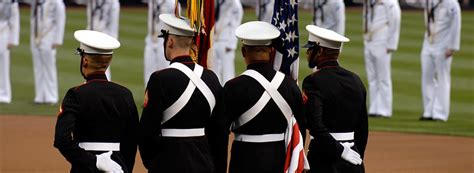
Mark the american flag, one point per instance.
(295, 161)
(285, 18)
(286, 60)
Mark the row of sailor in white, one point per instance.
(178, 26)
(264, 10)
(442, 38)
(382, 29)
(154, 57)
(329, 14)
(225, 42)
(47, 31)
(103, 16)
(9, 37)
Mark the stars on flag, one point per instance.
(285, 18)
(292, 52)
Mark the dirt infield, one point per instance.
(26, 145)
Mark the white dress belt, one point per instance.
(182, 132)
(99, 146)
(259, 138)
(345, 136)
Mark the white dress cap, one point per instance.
(324, 37)
(257, 33)
(176, 26)
(95, 42)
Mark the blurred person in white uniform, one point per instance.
(381, 34)
(230, 15)
(442, 39)
(264, 10)
(9, 37)
(154, 57)
(330, 14)
(48, 19)
(103, 16)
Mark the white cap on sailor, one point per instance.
(95, 42)
(257, 33)
(176, 26)
(324, 38)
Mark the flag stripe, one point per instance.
(295, 157)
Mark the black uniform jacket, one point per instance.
(97, 111)
(336, 102)
(177, 154)
(240, 94)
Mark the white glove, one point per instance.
(350, 155)
(106, 164)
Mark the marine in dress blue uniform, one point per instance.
(251, 114)
(179, 101)
(335, 108)
(98, 120)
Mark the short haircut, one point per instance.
(258, 49)
(183, 42)
(98, 61)
(257, 53)
(330, 51)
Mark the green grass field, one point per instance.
(127, 68)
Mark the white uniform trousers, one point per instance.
(46, 84)
(5, 86)
(154, 59)
(435, 83)
(377, 65)
(222, 61)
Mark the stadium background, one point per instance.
(127, 69)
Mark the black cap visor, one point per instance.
(310, 44)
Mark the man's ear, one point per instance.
(85, 62)
(320, 52)
(244, 51)
(170, 42)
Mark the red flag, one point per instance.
(201, 17)
(204, 40)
